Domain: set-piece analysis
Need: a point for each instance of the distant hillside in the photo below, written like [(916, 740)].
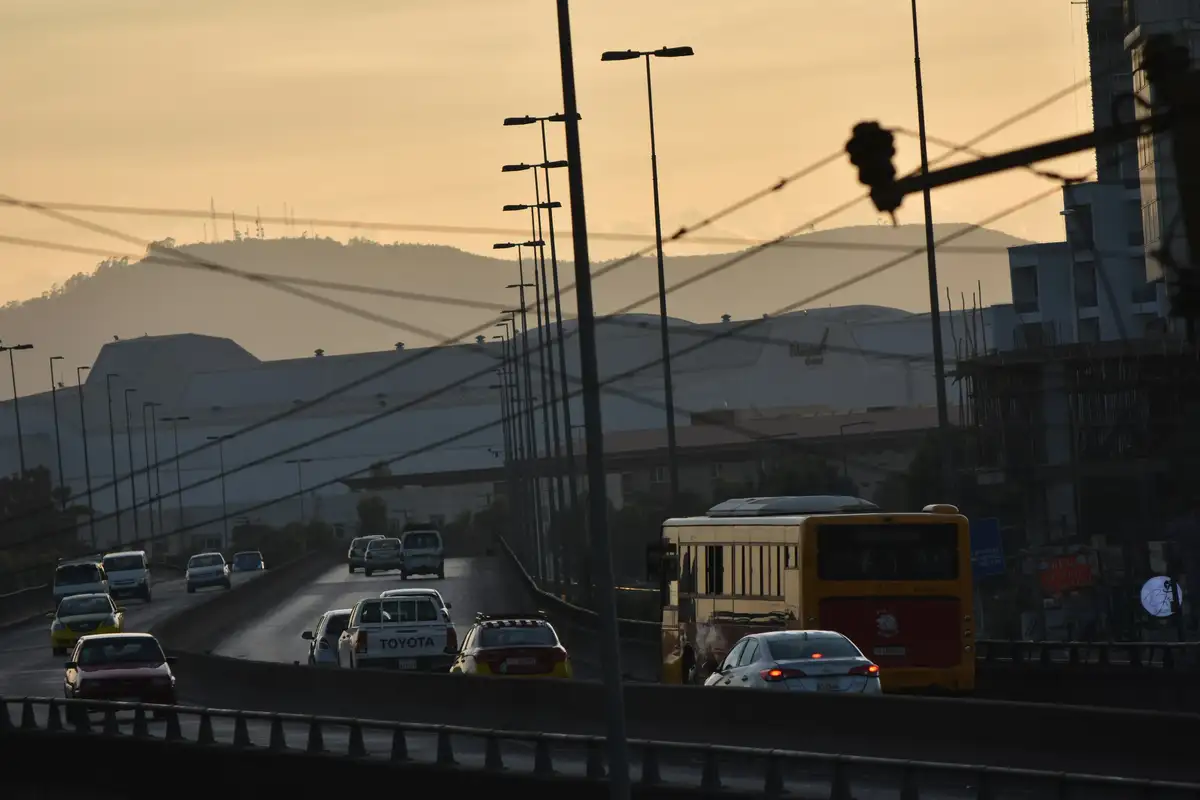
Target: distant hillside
[(129, 300)]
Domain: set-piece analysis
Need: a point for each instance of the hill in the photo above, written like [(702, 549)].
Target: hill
[(132, 299)]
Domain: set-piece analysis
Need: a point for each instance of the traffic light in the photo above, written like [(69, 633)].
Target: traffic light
[(871, 149)]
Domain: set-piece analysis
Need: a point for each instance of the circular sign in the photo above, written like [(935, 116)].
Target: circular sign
[(1156, 598)]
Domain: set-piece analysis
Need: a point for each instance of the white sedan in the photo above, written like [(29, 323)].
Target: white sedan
[(798, 661)]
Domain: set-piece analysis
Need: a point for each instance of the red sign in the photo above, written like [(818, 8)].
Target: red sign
[(1064, 573)]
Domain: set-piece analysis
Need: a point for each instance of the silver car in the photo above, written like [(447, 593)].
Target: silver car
[(383, 555), (356, 555), (323, 638), (798, 661)]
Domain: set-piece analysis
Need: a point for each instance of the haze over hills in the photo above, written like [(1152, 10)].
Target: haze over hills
[(133, 299)]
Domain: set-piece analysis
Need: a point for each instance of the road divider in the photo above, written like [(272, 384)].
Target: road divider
[(25, 605), (198, 629)]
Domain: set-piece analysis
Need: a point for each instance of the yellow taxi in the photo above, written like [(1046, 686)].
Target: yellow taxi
[(82, 615), (524, 645)]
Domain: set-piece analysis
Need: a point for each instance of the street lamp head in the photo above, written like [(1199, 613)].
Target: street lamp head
[(537, 243), (674, 52), (515, 207), (552, 204), (555, 164), (562, 118), (510, 121), (504, 246), (516, 167), (620, 55), (56, 358), (82, 369)]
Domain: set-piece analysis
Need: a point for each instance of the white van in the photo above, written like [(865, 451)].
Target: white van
[(79, 577), (423, 553), (128, 574)]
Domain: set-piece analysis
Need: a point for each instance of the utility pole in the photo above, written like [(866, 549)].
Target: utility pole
[(618, 745), (62, 481), (87, 465), (112, 450), (133, 503)]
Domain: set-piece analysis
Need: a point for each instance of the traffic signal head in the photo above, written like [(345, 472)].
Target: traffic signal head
[(871, 148)]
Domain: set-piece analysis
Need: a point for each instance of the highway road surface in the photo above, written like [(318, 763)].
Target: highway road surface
[(27, 667), (803, 780)]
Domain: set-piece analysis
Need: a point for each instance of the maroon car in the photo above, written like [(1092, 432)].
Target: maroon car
[(120, 666)]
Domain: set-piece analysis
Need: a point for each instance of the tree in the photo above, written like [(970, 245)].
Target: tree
[(372, 516), (34, 529)]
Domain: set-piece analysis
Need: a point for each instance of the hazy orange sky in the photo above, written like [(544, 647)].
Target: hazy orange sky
[(391, 110)]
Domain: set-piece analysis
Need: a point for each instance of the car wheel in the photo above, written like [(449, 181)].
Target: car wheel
[(403, 575), (367, 572), (441, 573), (227, 584), (147, 596), (351, 570), (191, 589)]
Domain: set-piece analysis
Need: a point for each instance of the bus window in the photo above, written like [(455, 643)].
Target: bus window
[(893, 552)]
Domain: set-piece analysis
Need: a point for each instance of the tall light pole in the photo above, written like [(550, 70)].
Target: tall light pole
[(148, 405), (562, 351), (530, 432), (10, 349), (87, 463), (112, 449), (133, 504), (520, 491), (220, 440), (589, 373), (664, 330), (157, 467), (178, 468), (935, 314), (62, 481), (299, 462)]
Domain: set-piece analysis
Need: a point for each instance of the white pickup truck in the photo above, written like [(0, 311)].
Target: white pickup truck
[(407, 633)]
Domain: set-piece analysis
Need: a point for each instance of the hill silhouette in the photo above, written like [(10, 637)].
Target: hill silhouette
[(132, 299)]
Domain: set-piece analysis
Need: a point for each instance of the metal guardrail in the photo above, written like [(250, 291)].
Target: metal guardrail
[(1120, 655), (704, 767)]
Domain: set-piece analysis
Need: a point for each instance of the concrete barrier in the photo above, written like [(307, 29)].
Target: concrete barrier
[(965, 731), (200, 628), (23, 606)]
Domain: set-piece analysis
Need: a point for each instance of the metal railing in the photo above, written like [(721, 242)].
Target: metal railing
[(704, 767), (1121, 655)]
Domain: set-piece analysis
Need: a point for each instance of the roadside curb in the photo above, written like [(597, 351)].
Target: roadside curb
[(5, 627)]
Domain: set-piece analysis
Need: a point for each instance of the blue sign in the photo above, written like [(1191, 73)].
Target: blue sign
[(987, 548)]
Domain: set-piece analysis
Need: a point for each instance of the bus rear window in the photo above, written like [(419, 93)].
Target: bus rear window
[(881, 552)]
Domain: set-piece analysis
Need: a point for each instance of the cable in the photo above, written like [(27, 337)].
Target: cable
[(615, 265), (607, 384), (350, 309)]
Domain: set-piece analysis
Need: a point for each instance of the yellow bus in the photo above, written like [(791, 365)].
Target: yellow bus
[(897, 584)]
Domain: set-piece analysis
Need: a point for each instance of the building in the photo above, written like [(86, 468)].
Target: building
[(292, 431), (1159, 179)]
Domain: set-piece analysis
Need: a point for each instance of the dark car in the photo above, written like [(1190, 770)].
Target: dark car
[(120, 667), (248, 561)]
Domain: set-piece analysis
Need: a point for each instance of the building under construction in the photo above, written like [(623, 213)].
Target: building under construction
[(1093, 450)]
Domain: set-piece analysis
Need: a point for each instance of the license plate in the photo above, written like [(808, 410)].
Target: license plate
[(406, 663), (889, 651), (828, 686), (521, 662)]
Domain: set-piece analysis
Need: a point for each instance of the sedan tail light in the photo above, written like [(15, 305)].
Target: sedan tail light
[(869, 670), (777, 674)]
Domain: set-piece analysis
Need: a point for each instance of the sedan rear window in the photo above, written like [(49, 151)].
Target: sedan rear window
[(788, 648), (140, 650), (531, 636), (422, 541), (206, 561)]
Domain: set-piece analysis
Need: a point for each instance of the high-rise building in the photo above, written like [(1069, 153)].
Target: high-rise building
[(1112, 88)]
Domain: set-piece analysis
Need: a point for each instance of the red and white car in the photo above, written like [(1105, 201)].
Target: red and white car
[(120, 667)]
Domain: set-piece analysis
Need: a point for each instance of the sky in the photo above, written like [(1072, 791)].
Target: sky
[(391, 110)]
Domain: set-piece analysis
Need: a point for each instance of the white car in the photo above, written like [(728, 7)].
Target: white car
[(207, 569), (79, 576), (406, 633), (432, 593), (423, 554), (323, 639), (798, 661), (128, 574)]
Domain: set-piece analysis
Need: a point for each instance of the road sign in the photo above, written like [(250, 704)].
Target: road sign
[(987, 548)]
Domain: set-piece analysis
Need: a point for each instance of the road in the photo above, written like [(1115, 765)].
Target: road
[(471, 585), (803, 780), (27, 667)]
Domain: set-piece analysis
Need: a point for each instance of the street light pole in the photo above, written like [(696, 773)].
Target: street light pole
[(62, 481), (10, 349), (664, 328), (299, 462), (157, 468), (146, 405), (112, 449), (87, 465), (618, 746), (178, 469), (133, 503), (935, 314), (220, 440), (520, 492)]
